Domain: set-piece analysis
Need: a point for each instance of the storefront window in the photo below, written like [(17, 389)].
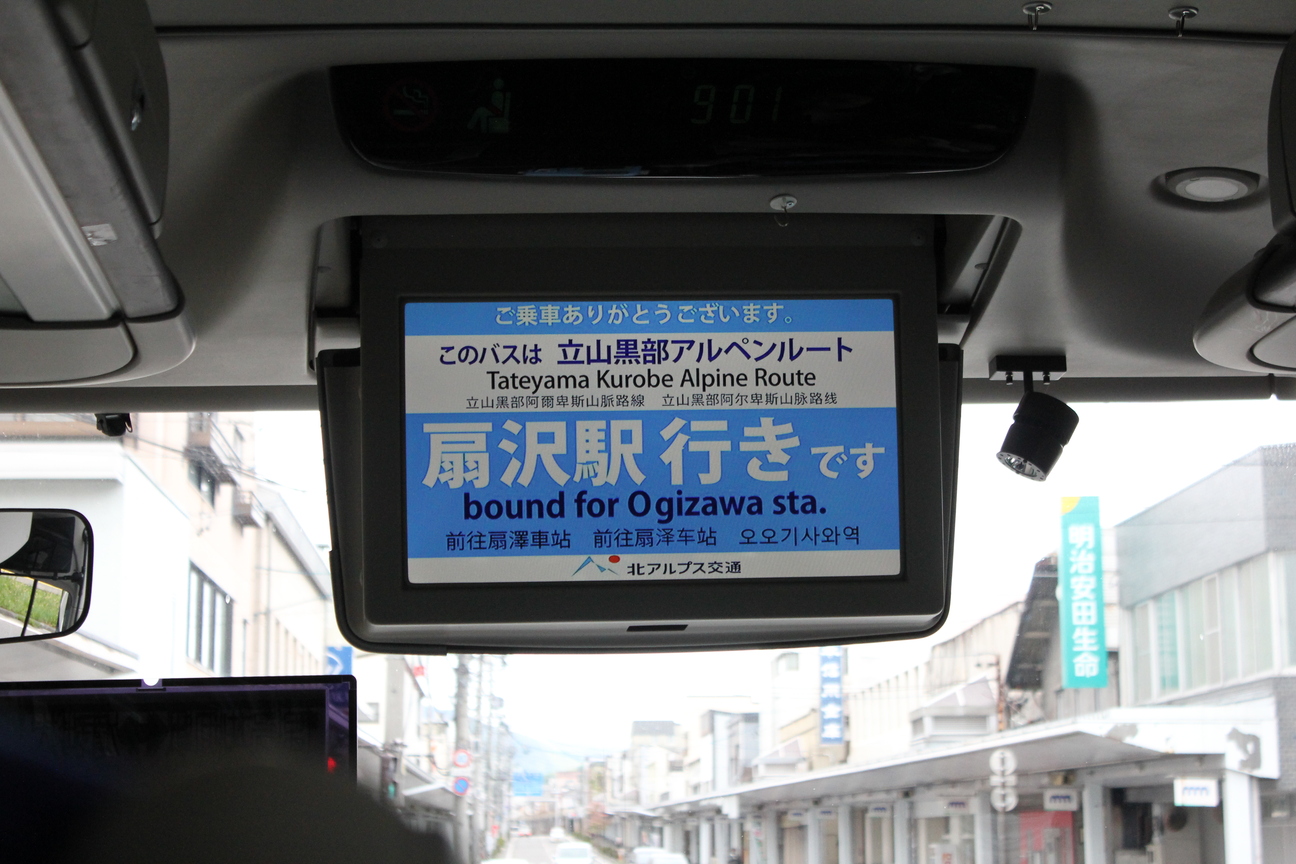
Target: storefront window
[(1289, 578), (1229, 623), (1194, 620), (1253, 601), (1167, 643), (878, 833), (1143, 653), (1047, 837), (1211, 635)]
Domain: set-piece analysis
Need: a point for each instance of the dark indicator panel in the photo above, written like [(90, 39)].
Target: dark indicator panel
[(681, 118)]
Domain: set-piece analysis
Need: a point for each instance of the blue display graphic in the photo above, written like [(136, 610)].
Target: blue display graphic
[(597, 482), (528, 784), (831, 716), (339, 660), (675, 316), (763, 445)]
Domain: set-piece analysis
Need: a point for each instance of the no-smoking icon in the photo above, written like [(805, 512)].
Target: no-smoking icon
[(410, 105)]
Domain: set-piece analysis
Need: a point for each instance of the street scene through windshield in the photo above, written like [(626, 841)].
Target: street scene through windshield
[(1113, 670), (648, 433)]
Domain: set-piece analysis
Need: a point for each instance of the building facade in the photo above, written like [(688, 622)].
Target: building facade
[(200, 568), (980, 755)]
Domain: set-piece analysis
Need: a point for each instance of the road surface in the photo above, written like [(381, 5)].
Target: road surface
[(540, 850)]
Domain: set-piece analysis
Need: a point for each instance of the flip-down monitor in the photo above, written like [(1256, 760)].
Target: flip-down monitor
[(665, 437)]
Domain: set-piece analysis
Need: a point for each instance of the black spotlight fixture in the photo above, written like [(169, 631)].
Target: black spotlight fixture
[(1042, 425), (113, 425)]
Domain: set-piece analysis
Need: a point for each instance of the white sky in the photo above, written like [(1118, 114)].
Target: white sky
[(1130, 455), (289, 451)]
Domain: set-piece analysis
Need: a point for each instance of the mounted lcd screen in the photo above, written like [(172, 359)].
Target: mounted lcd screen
[(636, 440), (126, 728), (630, 431), (681, 117)]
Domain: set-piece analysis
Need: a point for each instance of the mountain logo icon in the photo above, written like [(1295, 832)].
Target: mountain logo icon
[(590, 562)]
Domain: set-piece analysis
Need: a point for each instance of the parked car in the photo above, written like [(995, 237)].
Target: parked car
[(522, 831), (643, 854), (664, 857), (556, 833), (574, 853)]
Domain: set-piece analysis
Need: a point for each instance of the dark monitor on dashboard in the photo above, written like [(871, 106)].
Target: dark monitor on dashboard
[(127, 728)]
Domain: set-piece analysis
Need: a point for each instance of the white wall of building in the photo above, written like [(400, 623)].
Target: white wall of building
[(792, 691), (141, 559)]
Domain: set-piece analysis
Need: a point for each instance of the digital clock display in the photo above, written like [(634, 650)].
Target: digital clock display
[(681, 117)]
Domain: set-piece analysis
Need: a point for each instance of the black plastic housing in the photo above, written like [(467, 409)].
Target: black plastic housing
[(610, 257)]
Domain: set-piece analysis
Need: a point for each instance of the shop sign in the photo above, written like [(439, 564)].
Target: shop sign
[(1057, 798), (1196, 792), (1080, 587), (878, 810), (958, 805)]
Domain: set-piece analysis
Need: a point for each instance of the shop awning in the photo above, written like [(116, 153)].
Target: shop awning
[(1244, 735)]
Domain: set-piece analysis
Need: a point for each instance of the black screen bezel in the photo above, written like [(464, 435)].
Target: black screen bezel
[(419, 258)]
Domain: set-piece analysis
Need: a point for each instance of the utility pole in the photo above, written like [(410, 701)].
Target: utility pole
[(506, 776), (1001, 703), (479, 802), (461, 743), (492, 809)]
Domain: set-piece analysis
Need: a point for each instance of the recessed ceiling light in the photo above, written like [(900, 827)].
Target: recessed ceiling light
[(1212, 185)]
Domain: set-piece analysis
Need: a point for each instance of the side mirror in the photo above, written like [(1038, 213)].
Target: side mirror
[(45, 565)]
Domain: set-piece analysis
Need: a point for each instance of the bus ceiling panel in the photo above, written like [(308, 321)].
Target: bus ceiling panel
[(34, 354), (44, 259), (258, 153), (1241, 16), (83, 155), (116, 398), (258, 166), (115, 49), (77, 143), (1247, 323)]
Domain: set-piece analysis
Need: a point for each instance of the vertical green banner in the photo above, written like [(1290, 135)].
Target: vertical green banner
[(1080, 593)]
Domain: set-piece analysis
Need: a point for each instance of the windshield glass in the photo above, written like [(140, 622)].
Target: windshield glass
[(1117, 645)]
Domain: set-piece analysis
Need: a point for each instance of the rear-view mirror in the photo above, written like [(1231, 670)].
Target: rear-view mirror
[(45, 566)]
